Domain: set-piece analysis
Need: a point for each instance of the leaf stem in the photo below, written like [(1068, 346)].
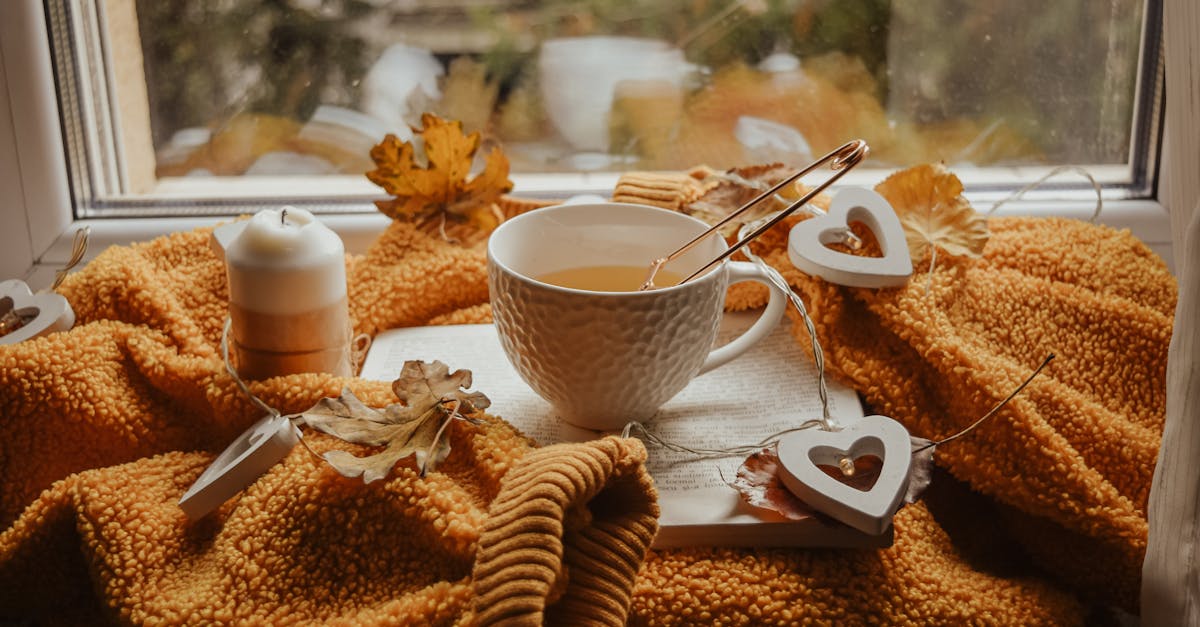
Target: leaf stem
[(932, 261), (993, 411), (446, 420), (308, 446)]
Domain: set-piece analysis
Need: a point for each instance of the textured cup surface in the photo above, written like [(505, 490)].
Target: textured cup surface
[(603, 358)]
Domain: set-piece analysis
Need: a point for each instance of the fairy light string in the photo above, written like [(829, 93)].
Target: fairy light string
[(79, 246), (245, 389), (1019, 194), (826, 420), (993, 410), (642, 432), (258, 402)]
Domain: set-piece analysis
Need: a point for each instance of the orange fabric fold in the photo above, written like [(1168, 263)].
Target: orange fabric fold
[(1035, 519)]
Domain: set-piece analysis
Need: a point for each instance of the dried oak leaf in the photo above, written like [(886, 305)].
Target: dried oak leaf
[(431, 397), (929, 202), (444, 187), (738, 186)]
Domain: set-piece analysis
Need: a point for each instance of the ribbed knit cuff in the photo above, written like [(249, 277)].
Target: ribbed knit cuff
[(669, 190), (566, 535), (513, 206)]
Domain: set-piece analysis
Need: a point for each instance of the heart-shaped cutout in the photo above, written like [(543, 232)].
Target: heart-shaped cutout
[(870, 510), (808, 250), (32, 315), (862, 475)]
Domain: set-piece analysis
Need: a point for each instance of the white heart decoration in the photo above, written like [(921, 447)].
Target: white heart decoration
[(246, 459), (808, 251), (45, 313), (868, 511)]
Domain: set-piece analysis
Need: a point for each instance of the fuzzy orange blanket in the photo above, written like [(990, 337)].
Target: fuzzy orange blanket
[(1040, 515)]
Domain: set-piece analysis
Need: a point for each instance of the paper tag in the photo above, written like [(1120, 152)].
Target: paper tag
[(245, 460), (223, 236)]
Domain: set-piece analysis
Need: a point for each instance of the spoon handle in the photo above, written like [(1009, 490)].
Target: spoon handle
[(843, 160)]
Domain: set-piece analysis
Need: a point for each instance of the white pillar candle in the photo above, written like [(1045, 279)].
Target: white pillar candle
[(287, 296)]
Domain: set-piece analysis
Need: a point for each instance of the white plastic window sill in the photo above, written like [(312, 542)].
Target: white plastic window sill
[(559, 184), (1146, 220)]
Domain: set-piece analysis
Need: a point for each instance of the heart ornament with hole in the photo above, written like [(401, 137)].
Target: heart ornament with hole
[(808, 250), (869, 511), (32, 315)]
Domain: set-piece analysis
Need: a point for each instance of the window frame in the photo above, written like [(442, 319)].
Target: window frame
[(40, 221)]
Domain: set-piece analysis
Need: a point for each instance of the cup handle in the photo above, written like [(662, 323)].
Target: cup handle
[(745, 271)]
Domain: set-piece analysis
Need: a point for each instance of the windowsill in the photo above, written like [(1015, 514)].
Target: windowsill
[(1146, 220), (212, 195)]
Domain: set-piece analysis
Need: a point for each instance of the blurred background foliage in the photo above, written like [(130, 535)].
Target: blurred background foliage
[(1018, 82)]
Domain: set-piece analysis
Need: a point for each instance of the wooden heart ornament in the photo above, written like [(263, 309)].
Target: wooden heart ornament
[(29, 315), (808, 251), (869, 511)]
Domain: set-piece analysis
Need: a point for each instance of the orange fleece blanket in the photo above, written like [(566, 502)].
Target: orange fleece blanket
[(1037, 518)]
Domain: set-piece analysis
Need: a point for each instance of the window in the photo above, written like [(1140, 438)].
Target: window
[(218, 106)]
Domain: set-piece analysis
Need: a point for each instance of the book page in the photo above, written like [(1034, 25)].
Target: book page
[(474, 347), (770, 388)]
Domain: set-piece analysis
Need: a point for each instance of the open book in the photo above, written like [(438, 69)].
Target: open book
[(772, 387)]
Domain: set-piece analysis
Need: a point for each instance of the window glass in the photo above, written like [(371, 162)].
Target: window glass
[(270, 88)]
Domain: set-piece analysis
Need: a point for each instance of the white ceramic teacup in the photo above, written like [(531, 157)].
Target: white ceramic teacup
[(603, 359)]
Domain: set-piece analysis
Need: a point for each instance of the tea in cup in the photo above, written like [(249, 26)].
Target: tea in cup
[(563, 283)]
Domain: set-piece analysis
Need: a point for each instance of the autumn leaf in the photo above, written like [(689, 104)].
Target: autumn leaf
[(757, 480), (443, 187), (920, 472), (422, 382), (430, 398), (929, 202), (739, 186)]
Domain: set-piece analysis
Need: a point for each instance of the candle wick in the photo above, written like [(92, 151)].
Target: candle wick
[(283, 217)]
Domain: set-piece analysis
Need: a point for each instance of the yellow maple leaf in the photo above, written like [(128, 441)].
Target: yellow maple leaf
[(929, 202), (445, 185)]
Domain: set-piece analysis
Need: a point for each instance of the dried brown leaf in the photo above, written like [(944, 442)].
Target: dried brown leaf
[(429, 383), (737, 187), (430, 397), (929, 202), (758, 482), (920, 473)]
